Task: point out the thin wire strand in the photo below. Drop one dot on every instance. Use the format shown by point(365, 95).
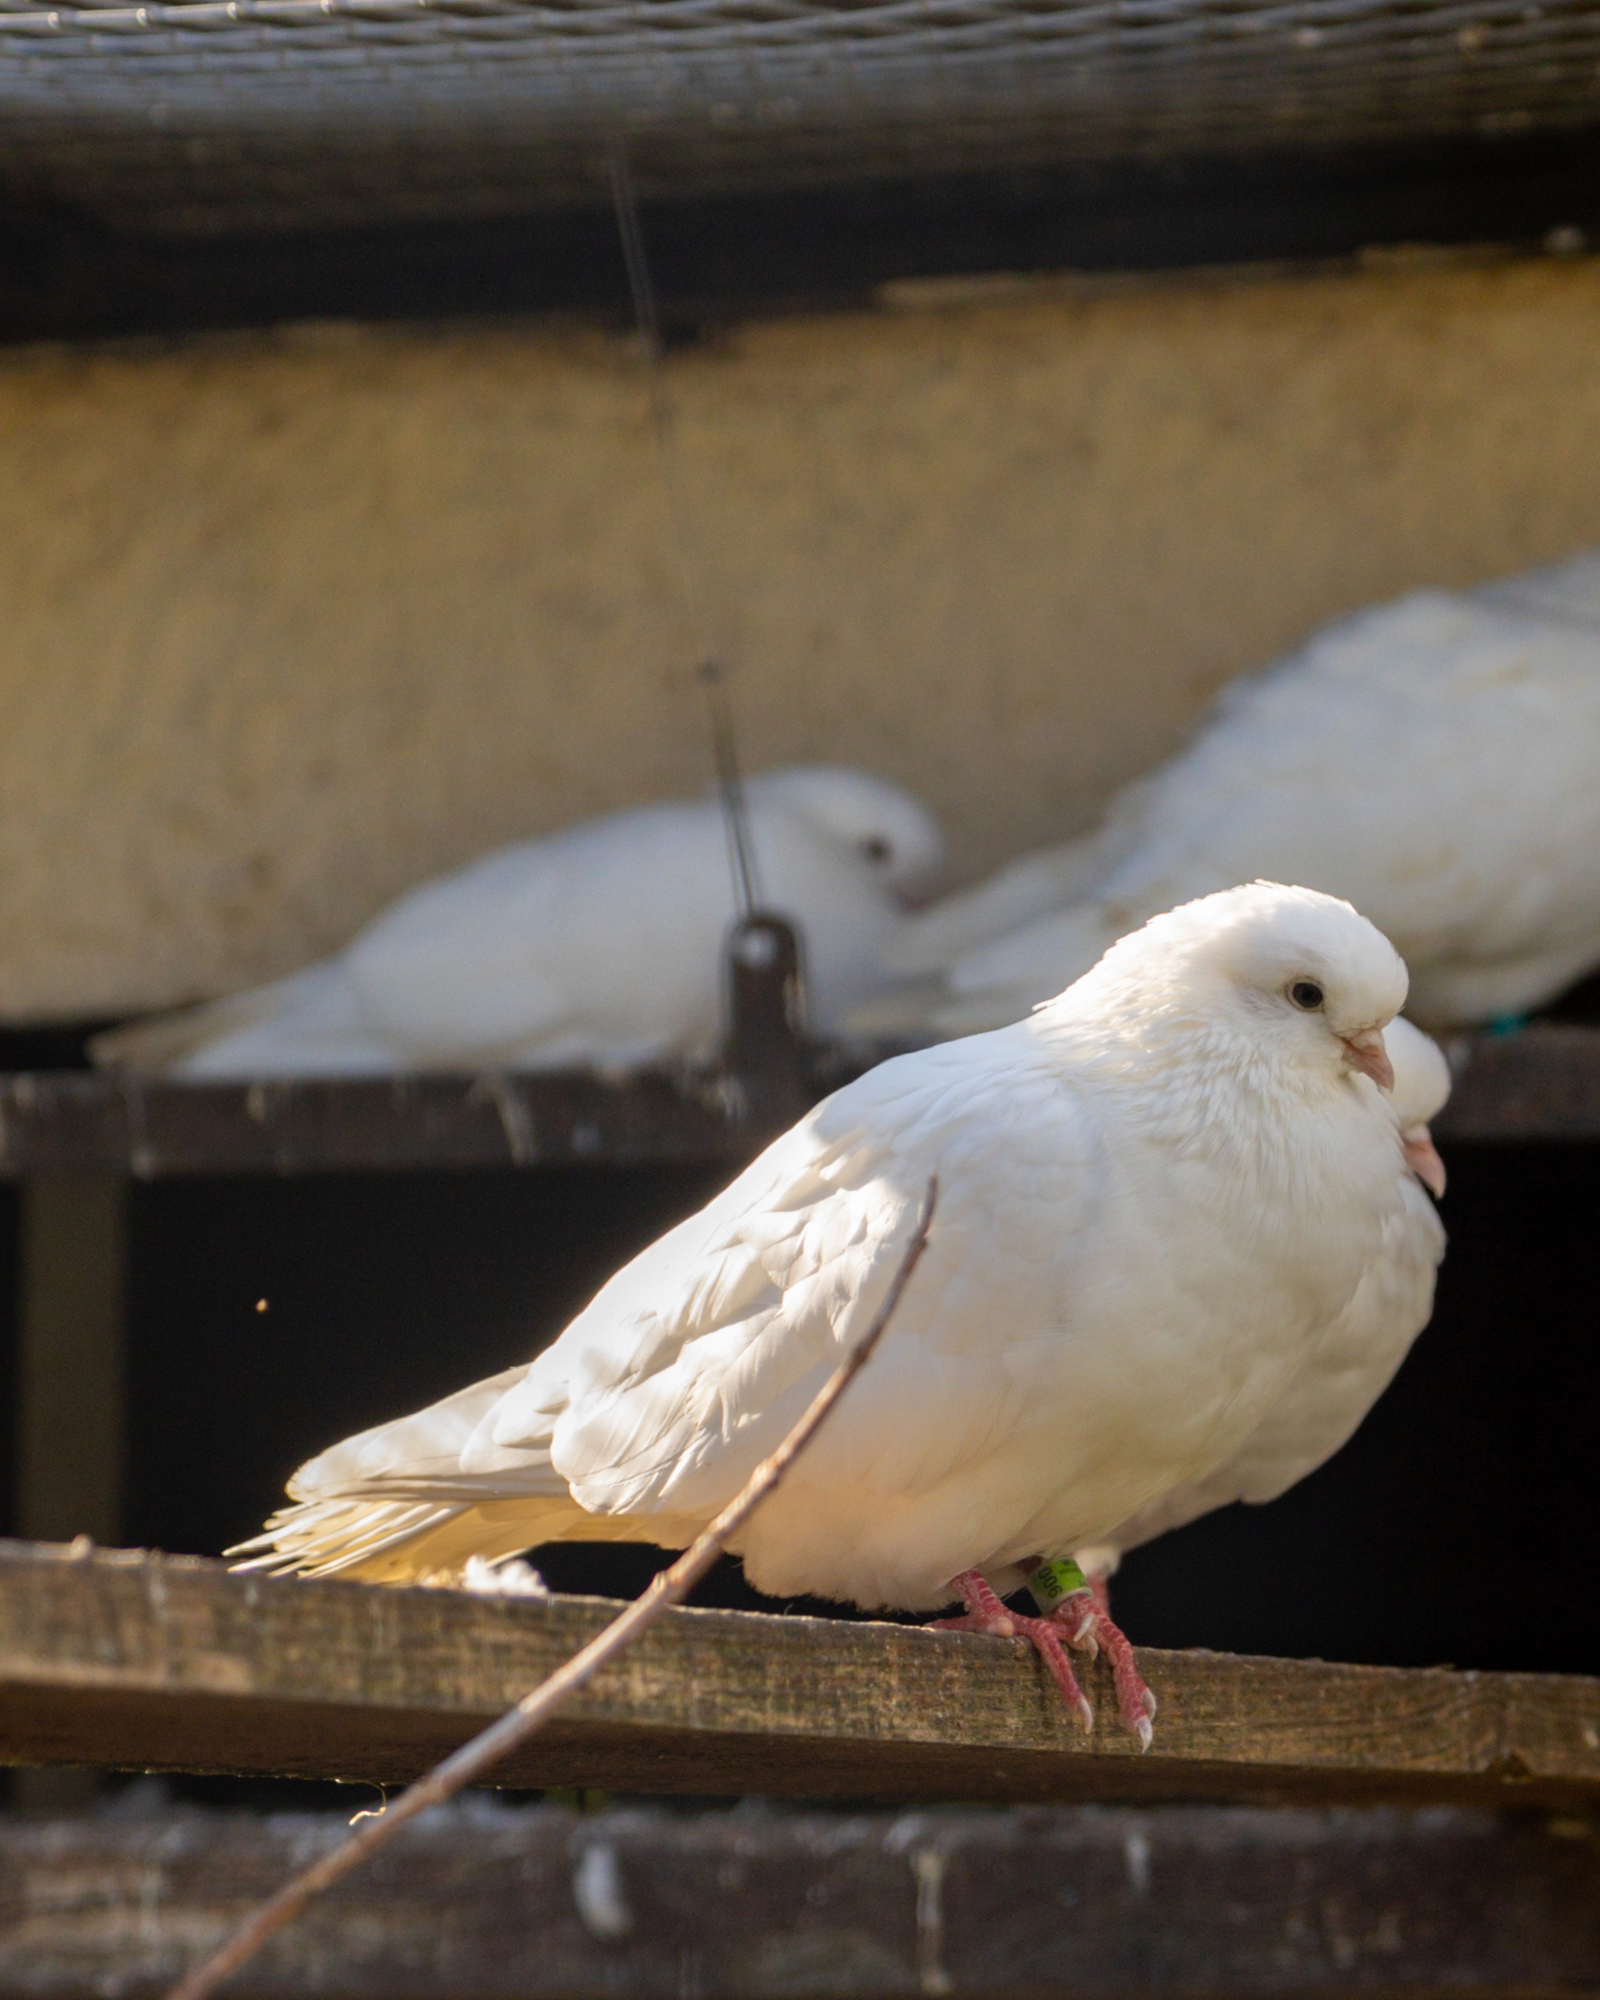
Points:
point(686, 542)
point(730, 789)
point(478, 1756)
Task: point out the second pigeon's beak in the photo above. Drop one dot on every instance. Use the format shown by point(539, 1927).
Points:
point(1416, 1142)
point(1367, 1054)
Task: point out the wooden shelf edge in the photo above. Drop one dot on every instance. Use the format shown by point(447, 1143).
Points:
point(141, 1661)
point(1540, 1083)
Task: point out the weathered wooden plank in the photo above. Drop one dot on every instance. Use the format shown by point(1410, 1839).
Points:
point(76, 1121)
point(494, 1901)
point(173, 1663)
point(69, 1401)
point(1542, 1083)
point(69, 1388)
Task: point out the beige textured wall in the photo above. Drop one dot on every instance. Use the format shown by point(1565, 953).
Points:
point(289, 622)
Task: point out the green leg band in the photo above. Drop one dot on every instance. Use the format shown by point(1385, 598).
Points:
point(1054, 1580)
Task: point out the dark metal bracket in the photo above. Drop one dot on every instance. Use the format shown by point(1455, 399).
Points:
point(766, 1053)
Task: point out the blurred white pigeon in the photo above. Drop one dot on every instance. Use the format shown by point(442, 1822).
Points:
point(599, 945)
point(1356, 1359)
point(1432, 759)
point(1156, 1197)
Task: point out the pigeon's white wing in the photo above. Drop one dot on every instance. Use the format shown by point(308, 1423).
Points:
point(1463, 991)
point(391, 1504)
point(918, 1000)
point(601, 944)
point(309, 1024)
point(1000, 982)
point(1566, 590)
point(422, 1449)
point(1362, 766)
point(1031, 887)
point(1371, 765)
point(530, 956)
point(697, 1358)
point(533, 955)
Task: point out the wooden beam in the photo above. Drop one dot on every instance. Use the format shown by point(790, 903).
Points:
point(120, 1658)
point(1543, 1083)
point(76, 1121)
point(483, 1901)
point(69, 1391)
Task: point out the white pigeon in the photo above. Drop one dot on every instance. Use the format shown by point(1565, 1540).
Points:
point(599, 945)
point(1156, 1197)
point(1432, 759)
point(1356, 1359)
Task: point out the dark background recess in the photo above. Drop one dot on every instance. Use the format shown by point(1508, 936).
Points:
point(717, 259)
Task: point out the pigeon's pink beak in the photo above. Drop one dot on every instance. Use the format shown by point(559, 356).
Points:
point(1416, 1142)
point(1367, 1054)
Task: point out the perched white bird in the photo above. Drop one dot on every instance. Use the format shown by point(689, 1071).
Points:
point(599, 945)
point(1356, 1359)
point(1432, 759)
point(1157, 1196)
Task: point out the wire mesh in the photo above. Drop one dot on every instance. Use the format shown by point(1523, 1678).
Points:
point(196, 114)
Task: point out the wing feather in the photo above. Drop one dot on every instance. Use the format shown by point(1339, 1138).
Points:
point(695, 1360)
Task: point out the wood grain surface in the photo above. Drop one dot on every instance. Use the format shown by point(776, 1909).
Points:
point(123, 1659)
point(487, 1900)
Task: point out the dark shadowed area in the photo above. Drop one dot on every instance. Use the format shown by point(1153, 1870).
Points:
point(64, 273)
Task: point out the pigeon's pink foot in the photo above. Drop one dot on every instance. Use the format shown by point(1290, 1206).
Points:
point(1084, 1620)
point(986, 1613)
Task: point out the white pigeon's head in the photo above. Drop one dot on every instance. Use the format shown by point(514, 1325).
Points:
point(1421, 1086)
point(877, 823)
point(1301, 976)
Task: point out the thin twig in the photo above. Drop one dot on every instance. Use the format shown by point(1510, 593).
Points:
point(475, 1758)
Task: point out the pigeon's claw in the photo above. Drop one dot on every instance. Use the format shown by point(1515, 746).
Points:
point(985, 1613)
point(1076, 1618)
point(1084, 1620)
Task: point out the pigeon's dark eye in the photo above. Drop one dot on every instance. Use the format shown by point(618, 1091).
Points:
point(1306, 994)
point(876, 848)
